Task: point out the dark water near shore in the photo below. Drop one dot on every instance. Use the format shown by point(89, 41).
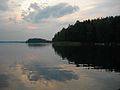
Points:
point(49, 67)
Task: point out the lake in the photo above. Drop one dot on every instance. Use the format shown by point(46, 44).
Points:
point(49, 67)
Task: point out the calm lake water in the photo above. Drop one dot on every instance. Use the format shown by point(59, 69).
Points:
point(49, 67)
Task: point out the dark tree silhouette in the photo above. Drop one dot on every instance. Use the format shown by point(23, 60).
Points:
point(37, 40)
point(100, 30)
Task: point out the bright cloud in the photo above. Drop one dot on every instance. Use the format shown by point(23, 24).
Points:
point(55, 11)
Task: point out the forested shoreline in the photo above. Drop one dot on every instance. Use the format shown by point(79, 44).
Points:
point(101, 30)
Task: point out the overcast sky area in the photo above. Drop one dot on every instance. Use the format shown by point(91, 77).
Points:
point(23, 19)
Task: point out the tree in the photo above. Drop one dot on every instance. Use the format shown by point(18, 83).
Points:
point(100, 30)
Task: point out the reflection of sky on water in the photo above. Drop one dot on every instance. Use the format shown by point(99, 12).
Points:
point(52, 73)
point(4, 80)
point(44, 77)
point(39, 77)
point(39, 68)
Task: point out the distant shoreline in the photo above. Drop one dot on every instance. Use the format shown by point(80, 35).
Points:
point(66, 43)
point(12, 41)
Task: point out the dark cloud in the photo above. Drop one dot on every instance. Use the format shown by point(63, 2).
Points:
point(3, 5)
point(55, 11)
point(34, 6)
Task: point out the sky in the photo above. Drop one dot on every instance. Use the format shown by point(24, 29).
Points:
point(24, 19)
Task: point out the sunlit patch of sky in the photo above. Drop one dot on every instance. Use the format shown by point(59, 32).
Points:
point(49, 16)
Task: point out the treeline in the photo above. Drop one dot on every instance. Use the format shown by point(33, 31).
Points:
point(100, 30)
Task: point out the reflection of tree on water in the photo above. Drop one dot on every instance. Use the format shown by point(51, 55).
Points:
point(37, 44)
point(99, 57)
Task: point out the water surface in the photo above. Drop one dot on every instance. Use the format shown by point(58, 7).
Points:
point(49, 67)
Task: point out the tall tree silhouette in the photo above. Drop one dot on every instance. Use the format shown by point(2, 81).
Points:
point(100, 30)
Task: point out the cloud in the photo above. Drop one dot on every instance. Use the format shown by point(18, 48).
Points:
point(34, 6)
point(4, 5)
point(55, 11)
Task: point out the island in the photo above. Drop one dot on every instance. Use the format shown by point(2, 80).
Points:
point(37, 40)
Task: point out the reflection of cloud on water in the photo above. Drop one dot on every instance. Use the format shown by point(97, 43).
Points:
point(35, 72)
point(42, 77)
point(52, 73)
